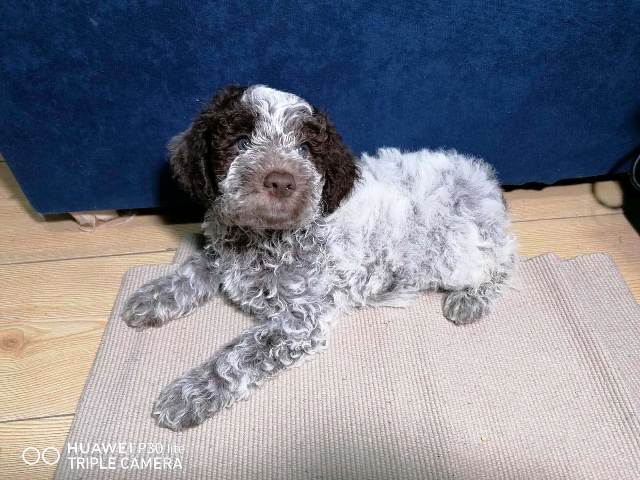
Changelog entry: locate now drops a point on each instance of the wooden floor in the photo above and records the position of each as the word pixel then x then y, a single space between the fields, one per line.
pixel 57 286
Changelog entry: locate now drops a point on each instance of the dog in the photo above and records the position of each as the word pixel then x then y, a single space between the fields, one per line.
pixel 299 231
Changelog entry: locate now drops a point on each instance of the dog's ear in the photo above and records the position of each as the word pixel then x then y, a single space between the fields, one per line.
pixel 191 153
pixel 332 158
pixel 188 154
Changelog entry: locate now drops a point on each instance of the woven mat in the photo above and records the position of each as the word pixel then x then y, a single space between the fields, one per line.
pixel 546 387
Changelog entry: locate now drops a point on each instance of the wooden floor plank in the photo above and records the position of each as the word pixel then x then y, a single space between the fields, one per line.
pixel 40 434
pixel 578 236
pixel 68 288
pixel 27 238
pixel 580 200
pixel 44 365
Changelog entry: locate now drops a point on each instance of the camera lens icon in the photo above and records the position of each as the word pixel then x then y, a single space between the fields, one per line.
pixel 48 456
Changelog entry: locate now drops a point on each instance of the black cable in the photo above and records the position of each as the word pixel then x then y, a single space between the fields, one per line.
pixel 635 173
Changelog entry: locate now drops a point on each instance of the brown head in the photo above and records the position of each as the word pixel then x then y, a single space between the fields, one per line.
pixel 264 159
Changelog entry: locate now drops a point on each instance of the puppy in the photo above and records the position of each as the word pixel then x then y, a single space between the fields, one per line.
pixel 299 231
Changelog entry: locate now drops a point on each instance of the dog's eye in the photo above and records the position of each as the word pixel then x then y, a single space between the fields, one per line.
pixel 303 150
pixel 242 143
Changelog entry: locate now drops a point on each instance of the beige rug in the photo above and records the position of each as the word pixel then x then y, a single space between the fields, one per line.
pixel 546 387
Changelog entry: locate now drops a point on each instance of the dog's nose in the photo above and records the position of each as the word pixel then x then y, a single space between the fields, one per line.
pixel 280 184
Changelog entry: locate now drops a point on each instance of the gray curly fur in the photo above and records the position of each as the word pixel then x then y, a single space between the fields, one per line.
pixel 428 220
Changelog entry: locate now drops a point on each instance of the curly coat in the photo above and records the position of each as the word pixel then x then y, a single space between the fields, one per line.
pixel 336 233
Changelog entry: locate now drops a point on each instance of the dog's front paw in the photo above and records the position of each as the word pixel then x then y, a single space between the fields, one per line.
pixel 187 402
pixel 463 307
pixel 142 310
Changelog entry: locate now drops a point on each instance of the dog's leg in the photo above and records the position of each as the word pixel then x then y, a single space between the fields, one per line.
pixel 470 304
pixel 174 295
pixel 230 375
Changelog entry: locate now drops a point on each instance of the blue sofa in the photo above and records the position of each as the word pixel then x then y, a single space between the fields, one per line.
pixel 90 92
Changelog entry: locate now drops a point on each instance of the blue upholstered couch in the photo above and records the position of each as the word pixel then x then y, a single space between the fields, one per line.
pixel 90 92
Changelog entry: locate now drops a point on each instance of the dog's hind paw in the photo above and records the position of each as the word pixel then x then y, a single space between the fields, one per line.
pixel 462 307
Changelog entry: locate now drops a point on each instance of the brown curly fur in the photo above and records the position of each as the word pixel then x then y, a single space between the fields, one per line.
pixel 332 158
pixel 205 151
